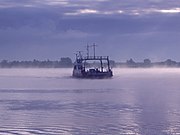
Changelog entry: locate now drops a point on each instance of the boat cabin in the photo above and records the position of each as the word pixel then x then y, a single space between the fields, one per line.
pixel 82 69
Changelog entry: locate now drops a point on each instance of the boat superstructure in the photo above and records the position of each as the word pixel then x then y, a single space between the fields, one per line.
pixel 82 69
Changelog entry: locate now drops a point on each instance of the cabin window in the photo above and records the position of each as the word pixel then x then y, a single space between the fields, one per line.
pixel 80 67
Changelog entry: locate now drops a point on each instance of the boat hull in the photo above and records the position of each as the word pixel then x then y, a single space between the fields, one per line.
pixel 99 75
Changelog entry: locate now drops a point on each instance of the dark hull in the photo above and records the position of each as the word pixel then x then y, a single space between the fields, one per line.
pixel 100 75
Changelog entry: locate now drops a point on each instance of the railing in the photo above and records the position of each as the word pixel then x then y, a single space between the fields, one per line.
pixel 95 58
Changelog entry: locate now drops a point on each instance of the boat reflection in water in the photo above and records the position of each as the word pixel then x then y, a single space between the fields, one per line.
pixel 81 69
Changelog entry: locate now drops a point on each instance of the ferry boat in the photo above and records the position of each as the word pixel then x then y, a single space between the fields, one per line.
pixel 82 70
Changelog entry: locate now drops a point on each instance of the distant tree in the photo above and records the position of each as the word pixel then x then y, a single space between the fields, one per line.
pixel 170 62
pixel 131 63
pixel 112 63
pixel 147 62
pixel 35 63
pixel 66 62
pixel 4 63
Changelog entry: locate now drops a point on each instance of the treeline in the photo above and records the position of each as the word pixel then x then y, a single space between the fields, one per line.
pixel 66 62
pixel 147 63
pixel 62 63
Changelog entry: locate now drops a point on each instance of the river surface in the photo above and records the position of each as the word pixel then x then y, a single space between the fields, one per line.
pixel 51 102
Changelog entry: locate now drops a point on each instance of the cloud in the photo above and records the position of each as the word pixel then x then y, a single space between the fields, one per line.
pixel 79 7
pixel 56 2
pixel 83 11
pixel 88 11
pixel 135 28
pixel 156 1
pixel 174 10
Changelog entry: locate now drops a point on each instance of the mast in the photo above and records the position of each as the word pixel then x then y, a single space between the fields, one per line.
pixel 101 64
pixel 108 63
pixel 87 50
pixel 94 49
pixel 76 56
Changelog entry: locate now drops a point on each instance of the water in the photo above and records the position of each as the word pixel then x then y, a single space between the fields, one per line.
pixel 51 102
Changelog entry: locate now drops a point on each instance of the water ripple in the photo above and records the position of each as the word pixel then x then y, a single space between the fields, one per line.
pixel 76 106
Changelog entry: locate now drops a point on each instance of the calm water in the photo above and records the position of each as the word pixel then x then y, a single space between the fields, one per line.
pixel 50 102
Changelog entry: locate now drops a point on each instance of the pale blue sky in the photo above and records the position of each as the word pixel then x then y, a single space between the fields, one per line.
pixel 123 29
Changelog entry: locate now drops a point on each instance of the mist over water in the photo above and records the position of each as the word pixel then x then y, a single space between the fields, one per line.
pixel 50 101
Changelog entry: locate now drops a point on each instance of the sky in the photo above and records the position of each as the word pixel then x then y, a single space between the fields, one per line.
pixel 122 29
